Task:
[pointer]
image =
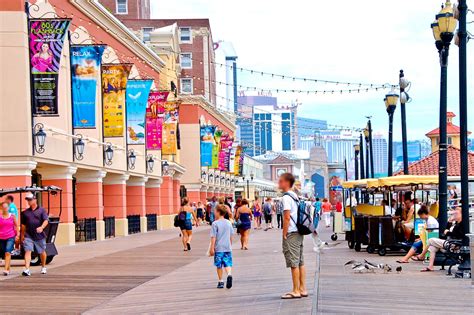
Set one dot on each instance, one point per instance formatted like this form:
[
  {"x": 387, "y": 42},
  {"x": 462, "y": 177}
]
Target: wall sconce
[
  {"x": 132, "y": 158},
  {"x": 165, "y": 167},
  {"x": 39, "y": 138},
  {"x": 79, "y": 146},
  {"x": 150, "y": 162},
  {"x": 108, "y": 154},
  {"x": 203, "y": 176}
]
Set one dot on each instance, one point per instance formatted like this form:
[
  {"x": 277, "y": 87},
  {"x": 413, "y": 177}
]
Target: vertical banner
[
  {"x": 232, "y": 160},
  {"x": 224, "y": 153},
  {"x": 237, "y": 161},
  {"x": 207, "y": 142},
  {"x": 114, "y": 83},
  {"x": 46, "y": 39},
  {"x": 135, "y": 107},
  {"x": 216, "y": 148},
  {"x": 85, "y": 67},
  {"x": 170, "y": 129},
  {"x": 155, "y": 113}
]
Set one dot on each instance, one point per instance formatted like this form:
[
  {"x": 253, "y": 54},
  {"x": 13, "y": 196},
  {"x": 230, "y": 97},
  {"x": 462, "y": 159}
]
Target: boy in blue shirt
[{"x": 221, "y": 246}]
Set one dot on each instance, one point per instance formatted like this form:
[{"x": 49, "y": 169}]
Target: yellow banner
[
  {"x": 114, "y": 82},
  {"x": 170, "y": 141}
]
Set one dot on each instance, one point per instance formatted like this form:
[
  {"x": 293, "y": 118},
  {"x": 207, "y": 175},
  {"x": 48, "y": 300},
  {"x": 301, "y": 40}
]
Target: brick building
[{"x": 197, "y": 57}]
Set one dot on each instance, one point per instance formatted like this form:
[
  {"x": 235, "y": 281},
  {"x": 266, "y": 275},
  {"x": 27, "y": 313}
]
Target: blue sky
[{"x": 345, "y": 40}]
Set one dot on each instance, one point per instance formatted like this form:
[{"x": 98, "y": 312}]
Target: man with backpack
[
  {"x": 294, "y": 228},
  {"x": 268, "y": 213}
]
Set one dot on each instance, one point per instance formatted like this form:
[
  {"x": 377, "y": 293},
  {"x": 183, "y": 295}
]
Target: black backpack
[{"x": 304, "y": 222}]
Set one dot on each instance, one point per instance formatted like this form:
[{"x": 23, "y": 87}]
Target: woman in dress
[
  {"x": 42, "y": 61},
  {"x": 187, "y": 224},
  {"x": 199, "y": 212},
  {"x": 8, "y": 235},
  {"x": 244, "y": 214},
  {"x": 257, "y": 214}
]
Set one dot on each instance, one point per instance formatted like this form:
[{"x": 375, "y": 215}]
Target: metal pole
[
  {"x": 362, "y": 169},
  {"x": 443, "y": 154},
  {"x": 356, "y": 170},
  {"x": 248, "y": 190},
  {"x": 371, "y": 146},
  {"x": 462, "y": 34},
  {"x": 367, "y": 159},
  {"x": 404, "y": 129},
  {"x": 390, "y": 143}
]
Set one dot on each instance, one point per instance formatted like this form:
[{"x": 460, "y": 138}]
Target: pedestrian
[
  {"x": 223, "y": 201},
  {"x": 243, "y": 215},
  {"x": 9, "y": 235},
  {"x": 292, "y": 242},
  {"x": 33, "y": 222},
  {"x": 221, "y": 246},
  {"x": 279, "y": 213},
  {"x": 257, "y": 214},
  {"x": 213, "y": 204},
  {"x": 199, "y": 212},
  {"x": 268, "y": 213},
  {"x": 186, "y": 216},
  {"x": 11, "y": 206},
  {"x": 326, "y": 208}
]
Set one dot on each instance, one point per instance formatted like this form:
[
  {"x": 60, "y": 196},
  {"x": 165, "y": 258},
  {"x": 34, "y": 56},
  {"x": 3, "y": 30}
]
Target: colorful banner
[
  {"x": 336, "y": 177},
  {"x": 216, "y": 148},
  {"x": 207, "y": 142},
  {"x": 85, "y": 66},
  {"x": 224, "y": 153},
  {"x": 155, "y": 113},
  {"x": 136, "y": 104},
  {"x": 232, "y": 160},
  {"x": 170, "y": 129},
  {"x": 114, "y": 83},
  {"x": 46, "y": 39},
  {"x": 238, "y": 161}
]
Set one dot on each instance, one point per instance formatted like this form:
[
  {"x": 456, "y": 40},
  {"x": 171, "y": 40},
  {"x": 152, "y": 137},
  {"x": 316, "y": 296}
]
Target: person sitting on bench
[{"x": 454, "y": 231}]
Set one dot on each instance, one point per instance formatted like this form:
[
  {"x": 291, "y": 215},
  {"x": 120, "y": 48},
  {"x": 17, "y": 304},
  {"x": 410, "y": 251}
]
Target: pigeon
[
  {"x": 399, "y": 269},
  {"x": 367, "y": 266}
]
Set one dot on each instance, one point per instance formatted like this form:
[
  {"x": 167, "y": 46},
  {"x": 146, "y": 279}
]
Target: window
[
  {"x": 285, "y": 116},
  {"x": 185, "y": 35},
  {"x": 186, "y": 86},
  {"x": 121, "y": 6},
  {"x": 450, "y": 140},
  {"x": 146, "y": 33},
  {"x": 186, "y": 60}
]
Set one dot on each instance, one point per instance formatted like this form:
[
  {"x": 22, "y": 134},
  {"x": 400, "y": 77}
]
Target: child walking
[{"x": 221, "y": 246}]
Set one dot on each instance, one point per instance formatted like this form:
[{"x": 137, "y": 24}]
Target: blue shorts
[
  {"x": 316, "y": 221},
  {"x": 39, "y": 246},
  {"x": 6, "y": 246},
  {"x": 187, "y": 225},
  {"x": 417, "y": 246},
  {"x": 223, "y": 259}
]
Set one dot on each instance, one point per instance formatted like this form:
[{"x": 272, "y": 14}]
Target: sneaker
[
  {"x": 6, "y": 272},
  {"x": 188, "y": 245},
  {"x": 26, "y": 273},
  {"x": 229, "y": 282},
  {"x": 44, "y": 271},
  {"x": 220, "y": 285}
]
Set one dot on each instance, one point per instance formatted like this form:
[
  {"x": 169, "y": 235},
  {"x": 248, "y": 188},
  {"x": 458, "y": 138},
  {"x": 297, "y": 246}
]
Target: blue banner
[
  {"x": 135, "y": 105},
  {"x": 85, "y": 67},
  {"x": 207, "y": 142}
]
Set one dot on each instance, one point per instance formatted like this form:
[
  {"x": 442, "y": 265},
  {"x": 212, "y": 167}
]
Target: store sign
[
  {"x": 155, "y": 115},
  {"x": 114, "y": 83},
  {"x": 46, "y": 39},
  {"x": 136, "y": 104},
  {"x": 85, "y": 71}
]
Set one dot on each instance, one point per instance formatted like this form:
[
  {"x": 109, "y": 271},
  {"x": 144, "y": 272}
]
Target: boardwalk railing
[
  {"x": 109, "y": 227},
  {"x": 133, "y": 224},
  {"x": 151, "y": 222},
  {"x": 86, "y": 230}
]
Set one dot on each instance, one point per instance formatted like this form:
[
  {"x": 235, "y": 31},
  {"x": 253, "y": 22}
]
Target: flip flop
[
  {"x": 415, "y": 258},
  {"x": 289, "y": 296},
  {"x": 426, "y": 270},
  {"x": 304, "y": 295},
  {"x": 402, "y": 262}
]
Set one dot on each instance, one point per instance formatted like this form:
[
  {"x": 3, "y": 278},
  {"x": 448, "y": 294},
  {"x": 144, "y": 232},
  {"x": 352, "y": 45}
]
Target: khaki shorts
[{"x": 293, "y": 250}]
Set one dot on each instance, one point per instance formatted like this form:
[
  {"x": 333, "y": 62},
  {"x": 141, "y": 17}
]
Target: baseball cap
[{"x": 29, "y": 196}]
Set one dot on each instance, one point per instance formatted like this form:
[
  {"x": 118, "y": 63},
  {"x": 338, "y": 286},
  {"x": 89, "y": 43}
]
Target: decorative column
[
  {"x": 61, "y": 176},
  {"x": 115, "y": 201},
  {"x": 136, "y": 199},
  {"x": 176, "y": 196},
  {"x": 153, "y": 199},
  {"x": 203, "y": 194},
  {"x": 90, "y": 199},
  {"x": 16, "y": 173},
  {"x": 166, "y": 200}
]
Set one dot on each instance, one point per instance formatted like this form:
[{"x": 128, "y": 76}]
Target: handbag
[{"x": 238, "y": 223}]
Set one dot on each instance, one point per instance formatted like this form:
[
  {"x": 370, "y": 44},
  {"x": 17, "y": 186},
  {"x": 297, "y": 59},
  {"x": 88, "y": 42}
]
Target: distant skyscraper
[
  {"x": 307, "y": 128},
  {"x": 380, "y": 148},
  {"x": 226, "y": 99}
]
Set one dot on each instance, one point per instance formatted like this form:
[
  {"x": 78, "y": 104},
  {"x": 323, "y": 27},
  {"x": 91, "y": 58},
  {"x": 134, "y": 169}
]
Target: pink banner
[
  {"x": 224, "y": 153},
  {"x": 155, "y": 113}
]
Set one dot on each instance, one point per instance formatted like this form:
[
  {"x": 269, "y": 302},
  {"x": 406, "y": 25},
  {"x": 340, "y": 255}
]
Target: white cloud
[{"x": 345, "y": 40}]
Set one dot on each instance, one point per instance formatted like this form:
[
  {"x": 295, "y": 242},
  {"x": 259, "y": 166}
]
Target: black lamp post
[
  {"x": 391, "y": 100},
  {"x": 248, "y": 185},
  {"x": 367, "y": 151},
  {"x": 371, "y": 148},
  {"x": 404, "y": 98},
  {"x": 443, "y": 32},
  {"x": 361, "y": 146},
  {"x": 356, "y": 166}
]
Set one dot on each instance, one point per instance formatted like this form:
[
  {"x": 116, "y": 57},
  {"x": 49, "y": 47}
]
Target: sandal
[
  {"x": 304, "y": 294},
  {"x": 426, "y": 270},
  {"x": 289, "y": 296},
  {"x": 402, "y": 262},
  {"x": 416, "y": 258}
]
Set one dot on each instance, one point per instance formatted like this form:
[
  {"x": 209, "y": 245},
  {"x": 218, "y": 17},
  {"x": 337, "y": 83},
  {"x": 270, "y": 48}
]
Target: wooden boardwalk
[{"x": 149, "y": 273}]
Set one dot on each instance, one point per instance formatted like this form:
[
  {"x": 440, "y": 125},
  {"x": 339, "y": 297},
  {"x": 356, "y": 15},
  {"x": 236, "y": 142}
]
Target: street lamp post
[
  {"x": 367, "y": 152},
  {"x": 391, "y": 100},
  {"x": 371, "y": 147},
  {"x": 356, "y": 166},
  {"x": 404, "y": 98},
  {"x": 443, "y": 32},
  {"x": 248, "y": 185},
  {"x": 361, "y": 147}
]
